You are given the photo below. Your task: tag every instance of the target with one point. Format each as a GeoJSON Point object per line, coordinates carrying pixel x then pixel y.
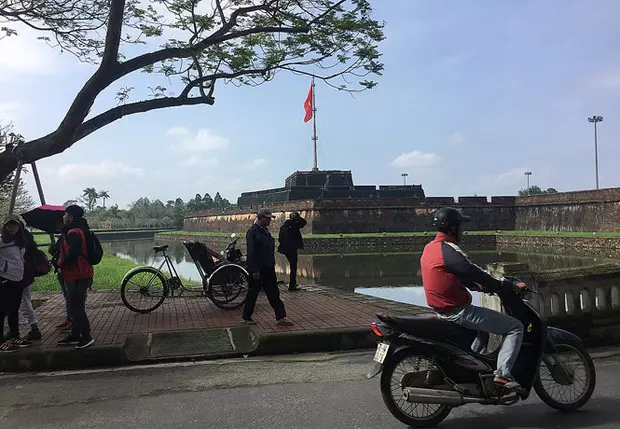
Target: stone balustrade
{"type": "Point", "coordinates": [585, 300]}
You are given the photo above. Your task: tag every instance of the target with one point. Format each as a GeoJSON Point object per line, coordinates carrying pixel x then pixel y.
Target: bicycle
{"type": "Point", "coordinates": [146, 288]}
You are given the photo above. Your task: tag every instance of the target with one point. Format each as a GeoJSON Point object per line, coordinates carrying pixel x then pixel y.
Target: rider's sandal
{"type": "Point", "coordinates": [512, 386]}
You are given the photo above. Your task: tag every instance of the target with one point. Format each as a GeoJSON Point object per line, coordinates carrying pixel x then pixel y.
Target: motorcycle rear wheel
{"type": "Point", "coordinates": [566, 403]}
{"type": "Point", "coordinates": [390, 388]}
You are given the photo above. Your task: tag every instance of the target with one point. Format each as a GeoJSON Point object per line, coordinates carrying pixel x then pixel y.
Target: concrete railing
{"type": "Point", "coordinates": [585, 300]}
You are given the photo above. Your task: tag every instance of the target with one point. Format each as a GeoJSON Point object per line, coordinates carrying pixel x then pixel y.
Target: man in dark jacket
{"type": "Point", "coordinates": [290, 242]}
{"type": "Point", "coordinates": [261, 263]}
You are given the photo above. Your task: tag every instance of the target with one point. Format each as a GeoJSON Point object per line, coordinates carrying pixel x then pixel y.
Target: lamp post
{"type": "Point", "coordinates": [405, 178]}
{"type": "Point", "coordinates": [595, 119]}
{"type": "Point", "coordinates": [528, 174]}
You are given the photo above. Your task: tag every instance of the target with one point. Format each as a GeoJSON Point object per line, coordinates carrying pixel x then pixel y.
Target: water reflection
{"type": "Point", "coordinates": [392, 276]}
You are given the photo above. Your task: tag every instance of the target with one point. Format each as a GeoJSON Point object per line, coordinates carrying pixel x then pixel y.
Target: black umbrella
{"type": "Point", "coordinates": [46, 217]}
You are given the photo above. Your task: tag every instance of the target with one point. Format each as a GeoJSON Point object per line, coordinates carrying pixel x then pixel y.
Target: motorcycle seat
{"type": "Point", "coordinates": [429, 326]}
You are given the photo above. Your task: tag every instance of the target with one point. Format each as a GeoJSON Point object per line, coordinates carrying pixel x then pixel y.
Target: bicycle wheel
{"type": "Point", "coordinates": [228, 286]}
{"type": "Point", "coordinates": [144, 289]}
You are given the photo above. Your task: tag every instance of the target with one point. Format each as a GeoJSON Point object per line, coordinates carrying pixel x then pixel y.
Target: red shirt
{"type": "Point", "coordinates": [79, 269]}
{"type": "Point", "coordinates": [447, 273]}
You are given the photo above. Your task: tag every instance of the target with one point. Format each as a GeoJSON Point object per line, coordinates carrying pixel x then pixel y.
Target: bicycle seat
{"type": "Point", "coordinates": [160, 248]}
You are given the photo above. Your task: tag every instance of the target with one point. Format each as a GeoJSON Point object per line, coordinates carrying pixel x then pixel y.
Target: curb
{"type": "Point", "coordinates": [187, 346]}
{"type": "Point", "coordinates": [209, 344]}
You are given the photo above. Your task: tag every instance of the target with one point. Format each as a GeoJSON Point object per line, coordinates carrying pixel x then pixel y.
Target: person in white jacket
{"type": "Point", "coordinates": [12, 250]}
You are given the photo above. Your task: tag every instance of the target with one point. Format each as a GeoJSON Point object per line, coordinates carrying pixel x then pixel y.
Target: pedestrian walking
{"type": "Point", "coordinates": [261, 263]}
{"type": "Point", "coordinates": [290, 242]}
{"type": "Point", "coordinates": [12, 251]}
{"type": "Point", "coordinates": [77, 273]}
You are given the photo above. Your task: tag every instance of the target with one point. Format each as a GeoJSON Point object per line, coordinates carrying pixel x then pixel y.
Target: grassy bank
{"type": "Point", "coordinates": [418, 234]}
{"type": "Point", "coordinates": [109, 274]}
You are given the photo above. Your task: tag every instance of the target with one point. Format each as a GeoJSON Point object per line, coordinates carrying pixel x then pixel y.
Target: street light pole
{"type": "Point", "coordinates": [528, 174]}
{"type": "Point", "coordinates": [595, 119]}
{"type": "Point", "coordinates": [405, 178]}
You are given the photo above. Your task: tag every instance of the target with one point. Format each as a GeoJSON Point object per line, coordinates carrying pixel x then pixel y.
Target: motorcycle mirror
{"type": "Point", "coordinates": [233, 235]}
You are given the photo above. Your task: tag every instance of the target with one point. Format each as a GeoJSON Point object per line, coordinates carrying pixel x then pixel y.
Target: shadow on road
{"type": "Point", "coordinates": [599, 412]}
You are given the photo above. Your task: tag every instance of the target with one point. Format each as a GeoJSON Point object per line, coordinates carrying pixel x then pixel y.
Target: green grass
{"type": "Point", "coordinates": [109, 274]}
{"type": "Point", "coordinates": [420, 234]}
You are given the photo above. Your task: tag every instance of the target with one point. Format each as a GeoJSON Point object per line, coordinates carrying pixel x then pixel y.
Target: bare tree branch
{"type": "Point", "coordinates": [113, 35]}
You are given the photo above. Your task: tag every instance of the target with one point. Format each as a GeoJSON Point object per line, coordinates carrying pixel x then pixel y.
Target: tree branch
{"type": "Point", "coordinates": [118, 112]}
{"type": "Point", "coordinates": [142, 61]}
{"type": "Point", "coordinates": [221, 11]}
{"type": "Point", "coordinates": [113, 35]}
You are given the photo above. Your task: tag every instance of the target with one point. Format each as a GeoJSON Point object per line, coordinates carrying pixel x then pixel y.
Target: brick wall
{"type": "Point", "coordinates": [569, 211]}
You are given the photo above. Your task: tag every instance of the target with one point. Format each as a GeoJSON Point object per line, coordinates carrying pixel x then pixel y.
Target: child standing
{"type": "Point", "coordinates": [12, 250]}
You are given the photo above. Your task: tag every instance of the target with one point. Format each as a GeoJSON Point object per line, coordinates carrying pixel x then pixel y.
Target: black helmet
{"type": "Point", "coordinates": [447, 219]}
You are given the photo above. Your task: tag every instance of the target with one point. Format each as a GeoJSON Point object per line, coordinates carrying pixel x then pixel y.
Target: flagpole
{"type": "Point", "coordinates": [314, 136]}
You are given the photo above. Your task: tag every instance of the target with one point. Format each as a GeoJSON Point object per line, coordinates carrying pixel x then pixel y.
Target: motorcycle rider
{"type": "Point", "coordinates": [447, 273]}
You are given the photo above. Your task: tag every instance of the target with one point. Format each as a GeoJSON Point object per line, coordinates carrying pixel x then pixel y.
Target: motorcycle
{"type": "Point", "coordinates": [232, 254]}
{"type": "Point", "coordinates": [427, 365]}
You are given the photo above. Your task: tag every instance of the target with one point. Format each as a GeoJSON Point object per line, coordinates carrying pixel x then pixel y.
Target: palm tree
{"type": "Point", "coordinates": [91, 195]}
{"type": "Point", "coordinates": [104, 196]}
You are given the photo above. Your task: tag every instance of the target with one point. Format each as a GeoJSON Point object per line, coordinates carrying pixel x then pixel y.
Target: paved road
{"type": "Point", "coordinates": [306, 391]}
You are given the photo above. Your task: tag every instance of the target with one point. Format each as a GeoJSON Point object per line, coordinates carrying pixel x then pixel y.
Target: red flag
{"type": "Point", "coordinates": [308, 105]}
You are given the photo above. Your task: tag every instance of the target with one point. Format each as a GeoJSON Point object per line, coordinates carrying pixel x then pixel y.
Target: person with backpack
{"type": "Point", "coordinates": [77, 273]}
{"type": "Point", "coordinates": [12, 250]}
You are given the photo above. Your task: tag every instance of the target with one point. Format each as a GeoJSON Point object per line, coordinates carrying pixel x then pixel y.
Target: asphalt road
{"type": "Point", "coordinates": [305, 391]}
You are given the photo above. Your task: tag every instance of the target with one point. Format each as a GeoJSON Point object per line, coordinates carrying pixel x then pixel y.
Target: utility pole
{"type": "Point", "coordinates": [404, 175]}
{"type": "Point", "coordinates": [595, 119]}
{"type": "Point", "coordinates": [528, 174]}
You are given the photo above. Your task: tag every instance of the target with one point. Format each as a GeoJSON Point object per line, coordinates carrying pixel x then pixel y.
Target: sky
{"type": "Point", "coordinates": [474, 94]}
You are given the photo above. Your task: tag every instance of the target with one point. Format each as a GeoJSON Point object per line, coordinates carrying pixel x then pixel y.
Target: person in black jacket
{"type": "Point", "coordinates": [261, 263]}
{"type": "Point", "coordinates": [290, 242]}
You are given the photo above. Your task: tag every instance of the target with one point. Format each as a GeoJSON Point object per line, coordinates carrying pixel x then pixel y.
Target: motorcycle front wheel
{"type": "Point", "coordinates": [413, 414]}
{"type": "Point", "coordinates": [566, 379]}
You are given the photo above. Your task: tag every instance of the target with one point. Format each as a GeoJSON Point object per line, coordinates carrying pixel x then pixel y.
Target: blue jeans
{"type": "Point", "coordinates": [487, 321]}
{"type": "Point", "coordinates": [63, 288]}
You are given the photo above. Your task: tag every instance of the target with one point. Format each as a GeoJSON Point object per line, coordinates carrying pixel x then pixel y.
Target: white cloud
{"type": "Point", "coordinates": [194, 161]}
{"type": "Point", "coordinates": [457, 139]}
{"type": "Point", "coordinates": [202, 141]}
{"type": "Point", "coordinates": [512, 177]}
{"type": "Point", "coordinates": [256, 163]}
{"type": "Point", "coordinates": [607, 80]}
{"type": "Point", "coordinates": [10, 111]}
{"type": "Point", "coordinates": [417, 159]}
{"type": "Point", "coordinates": [25, 55]}
{"type": "Point", "coordinates": [104, 170]}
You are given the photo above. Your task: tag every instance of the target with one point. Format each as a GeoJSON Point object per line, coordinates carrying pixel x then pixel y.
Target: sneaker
{"type": "Point", "coordinates": [20, 342]}
{"type": "Point", "coordinates": [64, 325]}
{"type": "Point", "coordinates": [34, 335]}
{"type": "Point", "coordinates": [248, 321]}
{"type": "Point", "coordinates": [283, 322]}
{"type": "Point", "coordinates": [69, 341]}
{"type": "Point", "coordinates": [85, 342]}
{"type": "Point", "coordinates": [8, 346]}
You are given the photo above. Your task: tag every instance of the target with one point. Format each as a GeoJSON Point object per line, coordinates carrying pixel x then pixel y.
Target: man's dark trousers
{"type": "Point", "coordinates": [269, 282]}
{"type": "Point", "coordinates": [292, 258]}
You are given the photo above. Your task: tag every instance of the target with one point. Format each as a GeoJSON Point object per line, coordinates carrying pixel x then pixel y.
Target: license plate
{"type": "Point", "coordinates": [381, 353]}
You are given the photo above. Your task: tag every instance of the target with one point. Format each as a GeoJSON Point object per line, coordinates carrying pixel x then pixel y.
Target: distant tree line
{"type": "Point", "coordinates": [536, 190]}
{"type": "Point", "coordinates": [143, 213]}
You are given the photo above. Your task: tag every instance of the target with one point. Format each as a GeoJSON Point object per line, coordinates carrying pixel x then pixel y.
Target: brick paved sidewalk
{"type": "Point", "coordinates": [311, 308]}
